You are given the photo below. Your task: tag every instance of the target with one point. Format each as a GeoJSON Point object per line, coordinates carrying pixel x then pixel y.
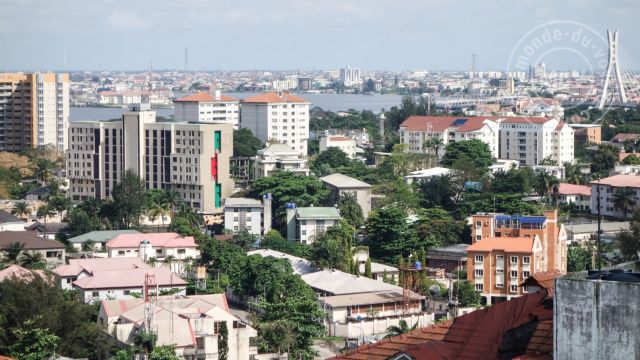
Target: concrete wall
{"type": "Point", "coordinates": [370, 327]}
{"type": "Point", "coordinates": [596, 320]}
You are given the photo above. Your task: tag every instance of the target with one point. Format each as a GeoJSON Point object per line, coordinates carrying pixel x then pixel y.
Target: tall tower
{"type": "Point", "coordinates": [186, 59]}
{"type": "Point", "coordinates": [613, 65]}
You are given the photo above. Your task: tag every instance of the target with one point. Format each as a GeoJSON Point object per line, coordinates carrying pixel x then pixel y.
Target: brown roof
{"type": "Point", "coordinates": [204, 97]}
{"type": "Point", "coordinates": [272, 97]}
{"type": "Point", "coordinates": [572, 189]}
{"type": "Point", "coordinates": [30, 240]}
{"type": "Point", "coordinates": [506, 244]}
{"type": "Point", "coordinates": [519, 328]}
{"type": "Point", "coordinates": [622, 180]}
{"type": "Point", "coordinates": [622, 137]}
{"type": "Point", "coordinates": [543, 280]}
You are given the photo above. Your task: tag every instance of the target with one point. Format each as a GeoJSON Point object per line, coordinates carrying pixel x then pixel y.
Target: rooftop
{"type": "Point", "coordinates": [156, 240]}
{"type": "Point", "coordinates": [242, 202]}
{"type": "Point", "coordinates": [622, 180]}
{"type": "Point", "coordinates": [100, 236]}
{"type": "Point", "coordinates": [572, 189]}
{"type": "Point", "coordinates": [328, 212]}
{"type": "Point", "coordinates": [427, 173]}
{"type": "Point", "coordinates": [340, 283]}
{"type": "Point", "coordinates": [343, 181]}
{"type": "Point", "coordinates": [205, 97]}
{"type": "Point", "coordinates": [272, 97]}
{"type": "Point", "coordinates": [368, 298]}
{"type": "Point", "coordinates": [7, 217]}
{"type": "Point", "coordinates": [77, 266]}
{"type": "Point", "coordinates": [20, 273]}
{"type": "Point", "coordinates": [129, 278]}
{"type": "Point", "coordinates": [441, 123]}
{"type": "Point", "coordinates": [506, 244]}
{"type": "Point", "coordinates": [30, 240]}
{"type": "Point", "coordinates": [300, 266]}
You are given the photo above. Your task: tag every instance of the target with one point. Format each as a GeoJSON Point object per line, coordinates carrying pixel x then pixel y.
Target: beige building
{"type": "Point", "coordinates": [34, 110]}
{"type": "Point", "coordinates": [279, 157]}
{"type": "Point", "coordinates": [277, 118]}
{"type": "Point", "coordinates": [342, 184]}
{"type": "Point", "coordinates": [190, 158]}
{"type": "Point", "coordinates": [348, 145]}
{"type": "Point", "coordinates": [206, 107]}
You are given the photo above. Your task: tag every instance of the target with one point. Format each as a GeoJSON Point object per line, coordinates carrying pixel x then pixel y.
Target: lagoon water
{"type": "Point", "coordinates": [331, 102]}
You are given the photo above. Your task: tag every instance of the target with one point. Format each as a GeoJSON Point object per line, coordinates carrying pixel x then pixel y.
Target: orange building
{"type": "Point", "coordinates": [511, 248]}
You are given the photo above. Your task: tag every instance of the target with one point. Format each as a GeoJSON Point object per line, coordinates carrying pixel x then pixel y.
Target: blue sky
{"type": "Point", "coordinates": [290, 35]}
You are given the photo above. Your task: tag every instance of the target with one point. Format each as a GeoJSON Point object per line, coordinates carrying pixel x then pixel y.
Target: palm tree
{"type": "Point", "coordinates": [573, 174]}
{"type": "Point", "coordinates": [169, 259]}
{"type": "Point", "coordinates": [32, 260]}
{"type": "Point", "coordinates": [45, 212]}
{"type": "Point", "coordinates": [624, 199]}
{"type": "Point", "coordinates": [545, 184]}
{"type": "Point", "coordinates": [12, 252]}
{"type": "Point", "coordinates": [152, 261]}
{"type": "Point", "coordinates": [172, 199]}
{"type": "Point", "coordinates": [21, 209]}
{"type": "Point", "coordinates": [43, 170]}
{"type": "Point", "coordinates": [402, 328]}
{"type": "Point", "coordinates": [157, 210]}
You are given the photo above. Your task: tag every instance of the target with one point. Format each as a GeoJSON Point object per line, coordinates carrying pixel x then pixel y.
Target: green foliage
{"type": "Point", "coordinates": [631, 160]}
{"type": "Point", "coordinates": [145, 341]}
{"type": "Point", "coordinates": [466, 293]}
{"type": "Point", "coordinates": [398, 193]}
{"type": "Point", "coordinates": [350, 210]}
{"type": "Point", "coordinates": [245, 144]}
{"type": "Point", "coordinates": [502, 203]}
{"type": "Point", "coordinates": [274, 241]}
{"type": "Point", "coordinates": [578, 259]}
{"type": "Point", "coordinates": [389, 234]}
{"type": "Point", "coordinates": [473, 150]}
{"type": "Point", "coordinates": [332, 249]}
{"type": "Point", "coordinates": [223, 342]}
{"type": "Point", "coordinates": [328, 160]}
{"type": "Point", "coordinates": [12, 252]}
{"type": "Point", "coordinates": [21, 209]}
{"type": "Point", "coordinates": [513, 181]}
{"type": "Point", "coordinates": [49, 307]}
{"type": "Point", "coordinates": [81, 223]}
{"type": "Point", "coordinates": [623, 200]}
{"type": "Point", "coordinates": [129, 198]}
{"type": "Point", "coordinates": [629, 241]}
{"type": "Point", "coordinates": [244, 239]}
{"type": "Point", "coordinates": [367, 268]}
{"type": "Point", "coordinates": [604, 159]}
{"type": "Point", "coordinates": [354, 120]}
{"type": "Point", "coordinates": [33, 343]}
{"type": "Point", "coordinates": [438, 228]}
{"type": "Point", "coordinates": [401, 162]}
{"type": "Point", "coordinates": [401, 328]}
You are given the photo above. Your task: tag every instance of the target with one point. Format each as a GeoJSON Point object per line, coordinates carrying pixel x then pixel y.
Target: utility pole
{"type": "Point", "coordinates": [599, 255]}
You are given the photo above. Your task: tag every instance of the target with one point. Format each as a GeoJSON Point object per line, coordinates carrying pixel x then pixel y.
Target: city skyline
{"type": "Point", "coordinates": [284, 35]}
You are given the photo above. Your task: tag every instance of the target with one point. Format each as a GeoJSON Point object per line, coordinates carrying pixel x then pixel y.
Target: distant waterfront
{"type": "Point", "coordinates": [331, 102]}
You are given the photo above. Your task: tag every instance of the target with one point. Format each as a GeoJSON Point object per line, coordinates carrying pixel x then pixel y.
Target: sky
{"type": "Point", "coordinates": [308, 34]}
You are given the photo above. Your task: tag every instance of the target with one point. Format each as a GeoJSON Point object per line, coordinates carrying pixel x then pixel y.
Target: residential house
{"type": "Point", "coordinates": [341, 184]}
{"type": "Point", "coordinates": [449, 258]}
{"type": "Point", "coordinates": [585, 134]}
{"type": "Point", "coordinates": [52, 251]}
{"type": "Point", "coordinates": [578, 195]}
{"type": "Point", "coordinates": [539, 106]}
{"type": "Point", "coordinates": [605, 190]}
{"type": "Point", "coordinates": [303, 224]}
{"type": "Point", "coordinates": [81, 268]}
{"type": "Point", "coordinates": [99, 238]}
{"type": "Point", "coordinates": [530, 140]}
{"type": "Point", "coordinates": [251, 215]}
{"type": "Point", "coordinates": [17, 271]}
{"type": "Point", "coordinates": [8, 222]}
{"type": "Point", "coordinates": [191, 323]}
{"type": "Point", "coordinates": [279, 157]}
{"type": "Point", "coordinates": [583, 233]}
{"type": "Point", "coordinates": [346, 144]}
{"type": "Point", "coordinates": [159, 246]}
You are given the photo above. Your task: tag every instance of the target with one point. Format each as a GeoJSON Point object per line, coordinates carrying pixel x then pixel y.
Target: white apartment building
{"type": "Point", "coordinates": [34, 110]}
{"type": "Point", "coordinates": [608, 187]}
{"type": "Point", "coordinates": [345, 144]}
{"type": "Point", "coordinates": [192, 159]}
{"type": "Point", "coordinates": [303, 224]}
{"type": "Point", "coordinates": [279, 157]}
{"type": "Point", "coordinates": [533, 139]}
{"type": "Point", "coordinates": [416, 130]}
{"type": "Point", "coordinates": [578, 195]}
{"type": "Point", "coordinates": [539, 107]}
{"type": "Point", "coordinates": [285, 84]}
{"type": "Point", "coordinates": [205, 107]}
{"type": "Point", "coordinates": [350, 76]}
{"type": "Point", "coordinates": [251, 215]}
{"type": "Point", "coordinates": [277, 118]}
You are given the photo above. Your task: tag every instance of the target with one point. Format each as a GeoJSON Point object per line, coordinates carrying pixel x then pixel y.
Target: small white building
{"type": "Point", "coordinates": [343, 143]}
{"type": "Point", "coordinates": [80, 268]}
{"type": "Point", "coordinates": [503, 165]}
{"type": "Point", "coordinates": [343, 184]}
{"type": "Point", "coordinates": [279, 157]}
{"type": "Point", "coordinates": [426, 174]}
{"type": "Point", "coordinates": [247, 214]}
{"type": "Point", "coordinates": [607, 187]}
{"type": "Point", "coordinates": [8, 222]}
{"type": "Point", "coordinates": [208, 108]}
{"type": "Point", "coordinates": [304, 223]}
{"type": "Point", "coordinates": [154, 245]}
{"type": "Point", "coordinates": [578, 195]}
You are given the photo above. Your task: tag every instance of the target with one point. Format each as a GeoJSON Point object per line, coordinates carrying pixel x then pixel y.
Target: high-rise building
{"type": "Point", "coordinates": [190, 158]}
{"type": "Point", "coordinates": [277, 118]}
{"type": "Point", "coordinates": [530, 140]}
{"type": "Point", "coordinates": [34, 110]}
{"type": "Point", "coordinates": [304, 84]}
{"type": "Point", "coordinates": [208, 107]}
{"type": "Point", "coordinates": [350, 76]}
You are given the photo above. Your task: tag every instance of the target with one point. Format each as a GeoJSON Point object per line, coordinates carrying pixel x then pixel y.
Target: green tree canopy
{"type": "Point", "coordinates": [350, 210]}
{"type": "Point", "coordinates": [604, 159]}
{"type": "Point", "coordinates": [578, 259]}
{"type": "Point", "coordinates": [631, 160]}
{"type": "Point", "coordinates": [129, 199]}
{"type": "Point", "coordinates": [245, 144]}
{"type": "Point", "coordinates": [473, 150]}
{"type": "Point", "coordinates": [389, 236]}
{"type": "Point", "coordinates": [274, 241]}
{"type": "Point", "coordinates": [329, 160]}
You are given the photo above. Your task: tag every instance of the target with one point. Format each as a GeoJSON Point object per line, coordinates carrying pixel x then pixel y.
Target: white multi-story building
{"type": "Point", "coordinates": [192, 159]}
{"type": "Point", "coordinates": [34, 110]}
{"type": "Point", "coordinates": [303, 224]}
{"type": "Point", "coordinates": [578, 195]}
{"type": "Point", "coordinates": [205, 107]}
{"type": "Point", "coordinates": [350, 76]}
{"type": "Point", "coordinates": [539, 107]}
{"type": "Point", "coordinates": [608, 187]}
{"type": "Point", "coordinates": [279, 157]}
{"type": "Point", "coordinates": [251, 215]}
{"type": "Point", "coordinates": [348, 145]}
{"type": "Point", "coordinates": [277, 118]}
{"type": "Point", "coordinates": [533, 139]}
{"type": "Point", "coordinates": [285, 84]}
{"type": "Point", "coordinates": [416, 130]}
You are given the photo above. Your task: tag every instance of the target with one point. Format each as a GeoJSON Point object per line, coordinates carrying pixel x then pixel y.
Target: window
{"type": "Point", "coordinates": [526, 260]}
{"type": "Point", "coordinates": [514, 288]}
{"type": "Point", "coordinates": [216, 327]}
{"type": "Point", "coordinates": [479, 258]}
{"type": "Point", "coordinates": [95, 294]}
{"type": "Point", "coordinates": [479, 287]}
{"type": "Point", "coordinates": [499, 258]}
{"type": "Point", "coordinates": [182, 251]}
{"type": "Point", "coordinates": [127, 292]}
{"type": "Point", "coordinates": [479, 272]}
{"type": "Point", "coordinates": [158, 251]}
{"type": "Point", "coordinates": [514, 259]}
{"type": "Point", "coordinates": [526, 274]}
{"type": "Point", "coordinates": [478, 237]}
{"type": "Point", "coordinates": [514, 274]}
{"type": "Point", "coordinates": [478, 224]}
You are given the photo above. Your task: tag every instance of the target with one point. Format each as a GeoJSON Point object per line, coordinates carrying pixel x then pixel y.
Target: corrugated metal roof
{"type": "Point", "coordinates": [318, 213]}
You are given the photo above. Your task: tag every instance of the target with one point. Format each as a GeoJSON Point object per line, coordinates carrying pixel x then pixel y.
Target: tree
{"type": "Point", "coordinates": [435, 144]}
{"type": "Point", "coordinates": [32, 260]}
{"type": "Point", "coordinates": [328, 253]}
{"type": "Point", "coordinates": [629, 241]}
{"type": "Point", "coordinates": [33, 343]}
{"type": "Point", "coordinates": [389, 236]}
{"type": "Point", "coordinates": [172, 199]}
{"type": "Point", "coordinates": [145, 340]}
{"type": "Point", "coordinates": [631, 160]}
{"type": "Point", "coordinates": [624, 199]}
{"type": "Point", "coordinates": [245, 144]}
{"type": "Point", "coordinates": [81, 223]}
{"type": "Point", "coordinates": [21, 209]}
{"type": "Point", "coordinates": [45, 212]}
{"type": "Point", "coordinates": [58, 203]}
{"type": "Point", "coordinates": [129, 199]}
{"type": "Point", "coordinates": [604, 159]}
{"type": "Point", "coordinates": [466, 293]}
{"type": "Point", "coordinates": [367, 268]}
{"type": "Point", "coordinates": [545, 183]}
{"type": "Point", "coordinates": [274, 241]}
{"type": "Point", "coordinates": [244, 239]}
{"type": "Point", "coordinates": [473, 150]}
{"type": "Point", "coordinates": [331, 158]}
{"type": "Point", "coordinates": [513, 181]}
{"type": "Point", "coordinates": [223, 342]}
{"type": "Point", "coordinates": [578, 259]}
{"type": "Point", "coordinates": [165, 352]}
{"type": "Point", "coordinates": [43, 170]}
{"type": "Point", "coordinates": [438, 228]}
{"type": "Point", "coordinates": [401, 328]}
{"type": "Point", "coordinates": [548, 161]}
{"type": "Point", "coordinates": [573, 174]}
{"type": "Point", "coordinates": [12, 252]}
{"type": "Point", "coordinates": [350, 210]}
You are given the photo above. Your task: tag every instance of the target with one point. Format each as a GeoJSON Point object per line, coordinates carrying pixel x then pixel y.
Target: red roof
{"type": "Point", "coordinates": [490, 333]}
{"type": "Point", "coordinates": [622, 137]}
{"type": "Point", "coordinates": [441, 123]}
{"type": "Point", "coordinates": [526, 120]}
{"type": "Point", "coordinates": [272, 97]}
{"type": "Point", "coordinates": [622, 180]}
{"type": "Point", "coordinates": [340, 138]}
{"type": "Point", "coordinates": [506, 244]}
{"type": "Point", "coordinates": [572, 189]}
{"type": "Point", "coordinates": [167, 240]}
{"type": "Point", "coordinates": [204, 97]}
{"type": "Point", "coordinates": [543, 280]}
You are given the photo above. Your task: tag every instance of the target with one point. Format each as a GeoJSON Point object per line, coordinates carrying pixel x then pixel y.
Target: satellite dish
{"type": "Point", "coordinates": [434, 290]}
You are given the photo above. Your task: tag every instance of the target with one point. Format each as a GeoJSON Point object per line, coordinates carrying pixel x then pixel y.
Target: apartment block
{"type": "Point", "coordinates": [533, 139]}
{"type": "Point", "coordinates": [305, 223]}
{"type": "Point", "coordinates": [251, 215]}
{"type": "Point", "coordinates": [587, 133]}
{"type": "Point", "coordinates": [34, 110]}
{"type": "Point", "coordinates": [190, 158]}
{"type": "Point", "coordinates": [416, 130]}
{"type": "Point", "coordinates": [208, 108]}
{"type": "Point", "coordinates": [277, 118]}
{"type": "Point", "coordinates": [346, 144]}
{"type": "Point", "coordinates": [279, 157]}
{"type": "Point", "coordinates": [540, 238]}
{"type": "Point", "coordinates": [605, 190]}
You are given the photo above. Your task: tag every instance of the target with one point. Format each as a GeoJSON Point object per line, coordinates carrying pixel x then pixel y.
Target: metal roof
{"type": "Point", "coordinates": [343, 181]}
{"type": "Point", "coordinates": [320, 213]}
